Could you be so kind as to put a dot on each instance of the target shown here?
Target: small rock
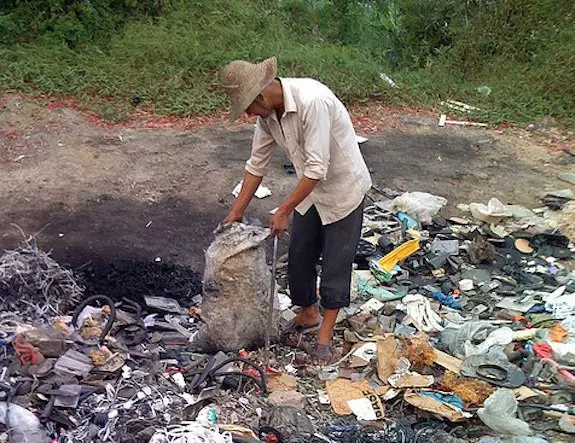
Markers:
(287, 398)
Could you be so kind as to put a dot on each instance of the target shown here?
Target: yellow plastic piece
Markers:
(398, 254)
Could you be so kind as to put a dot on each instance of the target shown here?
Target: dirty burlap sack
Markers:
(236, 291)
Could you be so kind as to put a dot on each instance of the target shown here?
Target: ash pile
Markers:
(460, 329)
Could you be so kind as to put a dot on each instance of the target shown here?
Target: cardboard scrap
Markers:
(430, 404)
(410, 380)
(363, 354)
(281, 382)
(341, 391)
(447, 361)
(386, 357)
(238, 430)
(523, 393)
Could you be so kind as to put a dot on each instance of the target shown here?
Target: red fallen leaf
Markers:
(11, 134)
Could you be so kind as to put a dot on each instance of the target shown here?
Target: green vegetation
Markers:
(117, 54)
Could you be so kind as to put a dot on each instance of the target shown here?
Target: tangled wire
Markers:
(35, 285)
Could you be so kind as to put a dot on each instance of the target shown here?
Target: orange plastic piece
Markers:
(558, 333)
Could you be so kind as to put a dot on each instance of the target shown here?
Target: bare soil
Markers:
(95, 192)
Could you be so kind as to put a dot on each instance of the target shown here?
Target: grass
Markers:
(170, 62)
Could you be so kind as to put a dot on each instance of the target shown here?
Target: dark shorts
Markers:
(336, 243)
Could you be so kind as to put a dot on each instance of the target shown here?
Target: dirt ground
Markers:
(96, 192)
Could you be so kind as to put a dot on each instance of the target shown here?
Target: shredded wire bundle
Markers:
(34, 284)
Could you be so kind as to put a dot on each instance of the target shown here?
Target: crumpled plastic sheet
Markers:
(458, 341)
(191, 432)
(24, 425)
(421, 205)
(493, 211)
(499, 414)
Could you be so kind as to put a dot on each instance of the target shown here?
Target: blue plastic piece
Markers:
(446, 300)
(404, 218)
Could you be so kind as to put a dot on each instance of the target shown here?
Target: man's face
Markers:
(259, 107)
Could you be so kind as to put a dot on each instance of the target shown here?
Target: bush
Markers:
(168, 52)
(70, 21)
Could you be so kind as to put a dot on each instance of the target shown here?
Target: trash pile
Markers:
(460, 329)
(468, 320)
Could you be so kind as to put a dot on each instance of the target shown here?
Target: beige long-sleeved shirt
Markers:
(318, 135)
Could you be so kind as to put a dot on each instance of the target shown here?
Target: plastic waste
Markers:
(386, 78)
(236, 290)
(24, 425)
(191, 432)
(455, 339)
(490, 213)
(499, 414)
(421, 205)
(364, 287)
(419, 309)
(484, 90)
(447, 300)
(400, 253)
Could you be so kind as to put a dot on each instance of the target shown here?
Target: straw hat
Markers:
(244, 81)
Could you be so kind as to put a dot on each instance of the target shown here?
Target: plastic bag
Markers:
(24, 425)
(236, 290)
(490, 213)
(421, 205)
(454, 339)
(499, 412)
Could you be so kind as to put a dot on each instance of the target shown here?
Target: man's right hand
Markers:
(233, 216)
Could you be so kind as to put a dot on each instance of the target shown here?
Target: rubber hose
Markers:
(111, 318)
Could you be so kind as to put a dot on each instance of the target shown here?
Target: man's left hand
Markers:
(279, 223)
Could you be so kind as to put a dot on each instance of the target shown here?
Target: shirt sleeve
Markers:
(317, 137)
(262, 149)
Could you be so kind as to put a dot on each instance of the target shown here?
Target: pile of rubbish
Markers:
(460, 329)
(470, 320)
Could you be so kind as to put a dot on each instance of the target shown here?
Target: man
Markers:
(307, 119)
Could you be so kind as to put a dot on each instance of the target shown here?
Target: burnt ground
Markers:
(107, 194)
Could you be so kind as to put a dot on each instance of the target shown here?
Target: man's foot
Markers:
(307, 319)
(293, 327)
(323, 355)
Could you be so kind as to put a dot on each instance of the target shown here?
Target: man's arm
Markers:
(249, 187)
(262, 149)
(279, 222)
(316, 134)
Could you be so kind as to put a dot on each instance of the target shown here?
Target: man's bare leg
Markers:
(322, 353)
(325, 334)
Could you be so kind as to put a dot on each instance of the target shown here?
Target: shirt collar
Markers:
(289, 102)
